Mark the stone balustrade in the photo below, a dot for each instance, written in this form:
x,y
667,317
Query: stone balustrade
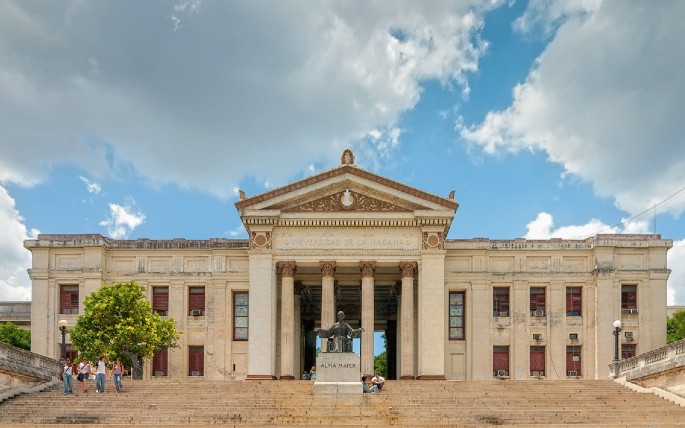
x,y
651,363
17,363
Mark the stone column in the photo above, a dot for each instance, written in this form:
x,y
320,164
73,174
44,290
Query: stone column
x,y
407,321
327,296
287,270
368,270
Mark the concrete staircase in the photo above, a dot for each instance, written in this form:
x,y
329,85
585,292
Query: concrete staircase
x,y
409,403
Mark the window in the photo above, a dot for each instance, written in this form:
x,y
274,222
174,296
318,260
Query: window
x,y
629,297
537,360
160,300
240,315
68,299
456,316
160,363
537,302
573,365
628,350
71,353
500,361
574,301
196,300
500,302
196,361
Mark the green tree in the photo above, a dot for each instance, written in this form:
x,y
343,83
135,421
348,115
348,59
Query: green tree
x,y
118,322
380,361
15,336
675,327
380,364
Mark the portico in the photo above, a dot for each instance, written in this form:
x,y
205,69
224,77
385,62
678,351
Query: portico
x,y
353,240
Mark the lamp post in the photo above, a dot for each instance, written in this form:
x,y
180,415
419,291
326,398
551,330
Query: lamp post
x,y
617,331
63,329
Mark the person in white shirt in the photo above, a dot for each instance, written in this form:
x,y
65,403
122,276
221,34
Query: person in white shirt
x,y
378,380
100,373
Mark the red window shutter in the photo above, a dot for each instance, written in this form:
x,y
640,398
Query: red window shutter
x,y
572,365
537,359
196,298
160,363
196,360
64,302
160,300
500,359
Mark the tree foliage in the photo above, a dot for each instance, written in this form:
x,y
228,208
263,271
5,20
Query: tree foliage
x,y
15,336
675,327
380,362
118,322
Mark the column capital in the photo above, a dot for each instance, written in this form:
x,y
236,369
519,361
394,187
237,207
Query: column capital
x,y
287,269
327,268
368,269
408,269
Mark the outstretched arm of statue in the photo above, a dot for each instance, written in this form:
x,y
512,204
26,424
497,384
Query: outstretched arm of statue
x,y
323,332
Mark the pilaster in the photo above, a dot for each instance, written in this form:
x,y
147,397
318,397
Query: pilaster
x,y
262,320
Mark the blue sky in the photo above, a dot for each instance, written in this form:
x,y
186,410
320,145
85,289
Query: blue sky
x,y
142,119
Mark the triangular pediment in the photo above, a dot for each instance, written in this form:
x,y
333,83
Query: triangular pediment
x,y
345,192
345,197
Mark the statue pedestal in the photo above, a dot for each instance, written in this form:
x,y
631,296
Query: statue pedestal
x,y
338,373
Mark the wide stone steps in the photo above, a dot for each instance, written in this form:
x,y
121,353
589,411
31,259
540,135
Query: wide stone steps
x,y
410,403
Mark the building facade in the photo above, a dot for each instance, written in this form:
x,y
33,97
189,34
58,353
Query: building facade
x,y
350,240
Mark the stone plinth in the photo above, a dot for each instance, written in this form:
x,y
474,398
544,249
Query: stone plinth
x,y
338,373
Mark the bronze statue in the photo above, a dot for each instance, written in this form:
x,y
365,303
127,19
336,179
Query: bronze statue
x,y
340,335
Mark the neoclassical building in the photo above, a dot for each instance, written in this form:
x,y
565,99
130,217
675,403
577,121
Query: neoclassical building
x,y
347,239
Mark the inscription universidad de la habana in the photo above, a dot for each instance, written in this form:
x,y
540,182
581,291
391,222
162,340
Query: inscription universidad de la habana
x,y
361,242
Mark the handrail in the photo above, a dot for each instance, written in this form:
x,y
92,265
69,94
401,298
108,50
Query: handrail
x,y
665,358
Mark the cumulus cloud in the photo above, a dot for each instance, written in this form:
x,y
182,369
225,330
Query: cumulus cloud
x,y
14,258
604,99
190,106
676,282
123,219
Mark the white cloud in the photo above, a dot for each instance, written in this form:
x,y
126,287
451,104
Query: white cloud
x,y
92,186
676,282
604,99
123,219
543,228
14,258
295,81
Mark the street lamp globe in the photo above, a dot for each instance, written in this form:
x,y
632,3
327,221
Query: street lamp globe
x,y
617,331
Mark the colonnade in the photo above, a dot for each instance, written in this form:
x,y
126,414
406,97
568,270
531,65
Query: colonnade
x,y
287,270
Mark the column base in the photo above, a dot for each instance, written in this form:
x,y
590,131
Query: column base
x,y
260,377
287,377
431,377
407,377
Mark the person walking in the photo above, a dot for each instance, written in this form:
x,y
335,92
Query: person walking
x,y
117,372
100,373
67,379
83,373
